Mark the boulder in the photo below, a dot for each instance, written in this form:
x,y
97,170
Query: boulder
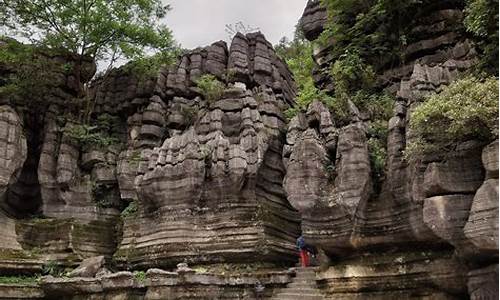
x,y
88,267
446,216
462,172
482,225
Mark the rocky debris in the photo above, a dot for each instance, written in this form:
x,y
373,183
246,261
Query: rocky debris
x,y
89,267
483,283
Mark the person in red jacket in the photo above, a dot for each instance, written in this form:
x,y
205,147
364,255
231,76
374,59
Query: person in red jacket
x,y
301,245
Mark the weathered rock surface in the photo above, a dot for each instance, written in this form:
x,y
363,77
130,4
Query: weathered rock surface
x,y
226,182
483,283
313,19
88,267
13,152
490,159
482,225
406,275
439,202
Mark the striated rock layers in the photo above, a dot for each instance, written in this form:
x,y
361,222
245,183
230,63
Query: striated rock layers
x,y
164,173
432,221
152,171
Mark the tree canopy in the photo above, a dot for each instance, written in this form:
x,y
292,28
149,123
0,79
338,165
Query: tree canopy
x,y
100,29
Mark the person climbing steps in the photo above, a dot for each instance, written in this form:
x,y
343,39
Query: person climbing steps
x,y
302,246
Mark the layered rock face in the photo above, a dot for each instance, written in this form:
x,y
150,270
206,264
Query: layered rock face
x,y
211,190
196,177
219,180
436,211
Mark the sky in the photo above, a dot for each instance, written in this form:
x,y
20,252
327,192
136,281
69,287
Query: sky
x,y
201,22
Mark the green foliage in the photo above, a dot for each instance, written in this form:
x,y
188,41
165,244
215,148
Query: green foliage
x,y
378,155
140,276
145,67
130,210
52,268
377,104
298,56
19,280
31,75
467,109
100,29
100,133
211,88
351,73
481,19
376,29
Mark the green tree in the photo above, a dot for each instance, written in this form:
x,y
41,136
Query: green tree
x,y
100,29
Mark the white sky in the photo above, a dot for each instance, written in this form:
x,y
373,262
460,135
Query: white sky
x,y
202,22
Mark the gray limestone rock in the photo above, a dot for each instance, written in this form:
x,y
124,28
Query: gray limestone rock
x,y
88,267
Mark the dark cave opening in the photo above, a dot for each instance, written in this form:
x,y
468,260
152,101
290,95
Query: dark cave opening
x,y
23,197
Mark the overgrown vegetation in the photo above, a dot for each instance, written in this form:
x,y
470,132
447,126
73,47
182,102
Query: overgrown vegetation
x,y
30,75
375,29
148,66
467,109
130,210
481,20
140,276
52,268
211,88
97,134
19,280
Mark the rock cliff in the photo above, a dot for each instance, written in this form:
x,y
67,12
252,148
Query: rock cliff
x,y
174,193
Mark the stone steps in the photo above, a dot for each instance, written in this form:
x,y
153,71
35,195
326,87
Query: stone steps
x,y
303,287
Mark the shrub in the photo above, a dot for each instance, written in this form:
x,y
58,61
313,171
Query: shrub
x,y
130,210
99,133
467,109
378,155
481,20
140,276
210,87
350,73
52,268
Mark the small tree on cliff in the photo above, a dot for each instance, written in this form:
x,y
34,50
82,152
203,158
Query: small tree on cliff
x,y
100,29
